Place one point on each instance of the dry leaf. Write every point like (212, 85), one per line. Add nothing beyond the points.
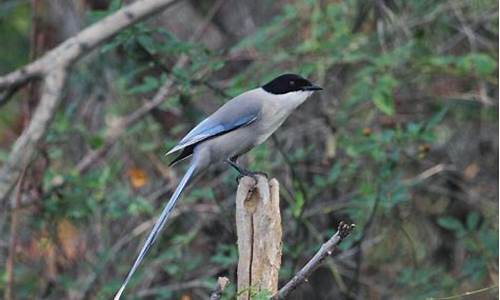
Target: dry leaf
(138, 178)
(69, 237)
(367, 131)
(471, 171)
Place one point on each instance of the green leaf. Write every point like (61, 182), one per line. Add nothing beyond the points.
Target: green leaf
(437, 118)
(335, 172)
(441, 61)
(472, 220)
(298, 205)
(262, 295)
(382, 95)
(110, 46)
(149, 84)
(147, 42)
(482, 63)
(96, 142)
(451, 223)
(139, 206)
(384, 103)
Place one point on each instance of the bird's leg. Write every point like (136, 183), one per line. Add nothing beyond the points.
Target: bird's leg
(242, 170)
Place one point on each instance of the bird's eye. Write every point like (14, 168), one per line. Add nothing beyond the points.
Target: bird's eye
(292, 82)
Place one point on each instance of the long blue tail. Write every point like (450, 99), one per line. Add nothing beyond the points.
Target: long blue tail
(158, 226)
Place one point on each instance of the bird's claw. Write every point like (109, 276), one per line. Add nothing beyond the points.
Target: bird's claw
(252, 175)
(238, 178)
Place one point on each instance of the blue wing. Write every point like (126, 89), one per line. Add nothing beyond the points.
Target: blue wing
(213, 126)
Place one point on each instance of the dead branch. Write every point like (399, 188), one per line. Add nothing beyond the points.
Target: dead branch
(326, 250)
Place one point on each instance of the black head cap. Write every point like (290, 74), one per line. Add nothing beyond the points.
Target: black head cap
(289, 83)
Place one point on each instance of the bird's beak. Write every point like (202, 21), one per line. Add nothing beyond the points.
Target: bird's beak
(312, 88)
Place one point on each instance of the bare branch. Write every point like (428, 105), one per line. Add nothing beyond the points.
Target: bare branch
(326, 250)
(21, 76)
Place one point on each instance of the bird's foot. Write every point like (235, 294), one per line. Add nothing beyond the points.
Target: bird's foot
(244, 172)
(238, 178)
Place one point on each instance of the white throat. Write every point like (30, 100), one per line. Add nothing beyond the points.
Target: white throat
(277, 109)
(289, 100)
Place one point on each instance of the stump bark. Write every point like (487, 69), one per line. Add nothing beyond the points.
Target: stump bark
(258, 225)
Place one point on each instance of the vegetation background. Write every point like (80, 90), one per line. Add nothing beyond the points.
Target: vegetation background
(403, 142)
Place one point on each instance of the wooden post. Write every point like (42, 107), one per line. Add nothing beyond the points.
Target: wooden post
(258, 225)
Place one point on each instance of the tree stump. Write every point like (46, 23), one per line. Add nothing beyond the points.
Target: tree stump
(258, 225)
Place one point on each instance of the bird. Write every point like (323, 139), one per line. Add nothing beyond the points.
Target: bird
(236, 127)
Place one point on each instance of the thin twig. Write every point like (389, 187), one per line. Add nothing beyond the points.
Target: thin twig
(428, 173)
(326, 250)
(475, 292)
(222, 282)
